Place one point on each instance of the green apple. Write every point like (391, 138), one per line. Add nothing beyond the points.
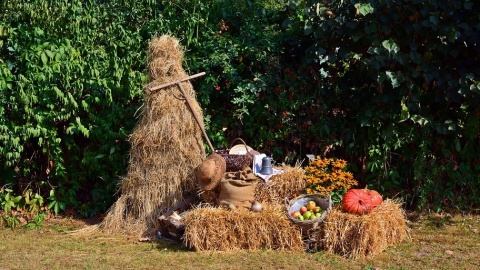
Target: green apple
(307, 215)
(317, 209)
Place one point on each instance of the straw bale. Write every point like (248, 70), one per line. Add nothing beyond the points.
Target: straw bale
(166, 147)
(218, 229)
(287, 185)
(355, 236)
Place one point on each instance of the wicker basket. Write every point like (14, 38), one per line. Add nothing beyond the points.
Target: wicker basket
(325, 202)
(236, 162)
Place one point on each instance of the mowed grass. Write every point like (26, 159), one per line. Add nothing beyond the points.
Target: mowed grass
(438, 242)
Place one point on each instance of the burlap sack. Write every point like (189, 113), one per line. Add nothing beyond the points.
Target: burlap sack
(238, 188)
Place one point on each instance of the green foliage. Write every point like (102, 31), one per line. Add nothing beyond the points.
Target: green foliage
(256, 86)
(71, 78)
(26, 209)
(55, 204)
(8, 200)
(390, 86)
(405, 77)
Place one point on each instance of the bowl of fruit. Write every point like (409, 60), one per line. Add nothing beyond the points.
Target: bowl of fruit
(308, 210)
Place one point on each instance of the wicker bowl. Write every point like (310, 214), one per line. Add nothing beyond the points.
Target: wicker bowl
(325, 202)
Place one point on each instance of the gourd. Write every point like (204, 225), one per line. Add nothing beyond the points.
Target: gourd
(376, 197)
(357, 201)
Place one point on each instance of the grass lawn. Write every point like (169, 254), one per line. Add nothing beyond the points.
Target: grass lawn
(438, 242)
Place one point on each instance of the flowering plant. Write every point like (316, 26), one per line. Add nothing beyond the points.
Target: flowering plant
(328, 176)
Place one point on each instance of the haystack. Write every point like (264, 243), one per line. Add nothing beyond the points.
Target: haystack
(287, 185)
(362, 236)
(218, 229)
(166, 146)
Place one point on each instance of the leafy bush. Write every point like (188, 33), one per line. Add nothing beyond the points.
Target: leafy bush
(74, 72)
(392, 87)
(406, 82)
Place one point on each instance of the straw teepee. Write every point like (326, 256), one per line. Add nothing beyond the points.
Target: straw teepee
(166, 146)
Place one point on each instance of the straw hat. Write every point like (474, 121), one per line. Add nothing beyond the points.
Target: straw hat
(239, 149)
(210, 171)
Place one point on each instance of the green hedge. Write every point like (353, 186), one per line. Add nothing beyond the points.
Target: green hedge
(390, 86)
(75, 72)
(406, 76)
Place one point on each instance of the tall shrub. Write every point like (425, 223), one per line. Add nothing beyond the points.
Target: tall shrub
(404, 76)
(71, 80)
(74, 73)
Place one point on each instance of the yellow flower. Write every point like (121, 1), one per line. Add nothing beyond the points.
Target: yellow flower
(339, 163)
(328, 175)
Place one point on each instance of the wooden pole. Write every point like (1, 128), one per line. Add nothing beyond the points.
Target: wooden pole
(177, 82)
(195, 116)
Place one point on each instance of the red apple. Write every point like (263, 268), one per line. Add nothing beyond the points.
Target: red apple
(296, 214)
(303, 209)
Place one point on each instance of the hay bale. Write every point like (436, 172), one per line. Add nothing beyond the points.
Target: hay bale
(354, 236)
(219, 229)
(166, 147)
(289, 184)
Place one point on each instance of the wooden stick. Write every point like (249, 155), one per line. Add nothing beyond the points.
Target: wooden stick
(195, 116)
(177, 82)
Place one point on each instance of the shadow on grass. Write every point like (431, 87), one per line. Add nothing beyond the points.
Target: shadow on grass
(172, 245)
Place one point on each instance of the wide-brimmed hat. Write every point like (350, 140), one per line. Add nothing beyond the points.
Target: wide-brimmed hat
(210, 171)
(239, 149)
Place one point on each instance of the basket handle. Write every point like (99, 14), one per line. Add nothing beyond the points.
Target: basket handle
(239, 139)
(287, 203)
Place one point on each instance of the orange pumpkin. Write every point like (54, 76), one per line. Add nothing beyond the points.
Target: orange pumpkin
(357, 201)
(376, 197)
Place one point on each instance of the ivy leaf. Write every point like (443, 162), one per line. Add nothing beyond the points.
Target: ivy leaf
(49, 53)
(390, 45)
(419, 120)
(394, 77)
(451, 125)
(43, 56)
(404, 115)
(364, 9)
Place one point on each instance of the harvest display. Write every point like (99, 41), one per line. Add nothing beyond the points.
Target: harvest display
(173, 190)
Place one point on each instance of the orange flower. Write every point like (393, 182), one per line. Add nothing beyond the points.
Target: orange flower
(327, 175)
(339, 163)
